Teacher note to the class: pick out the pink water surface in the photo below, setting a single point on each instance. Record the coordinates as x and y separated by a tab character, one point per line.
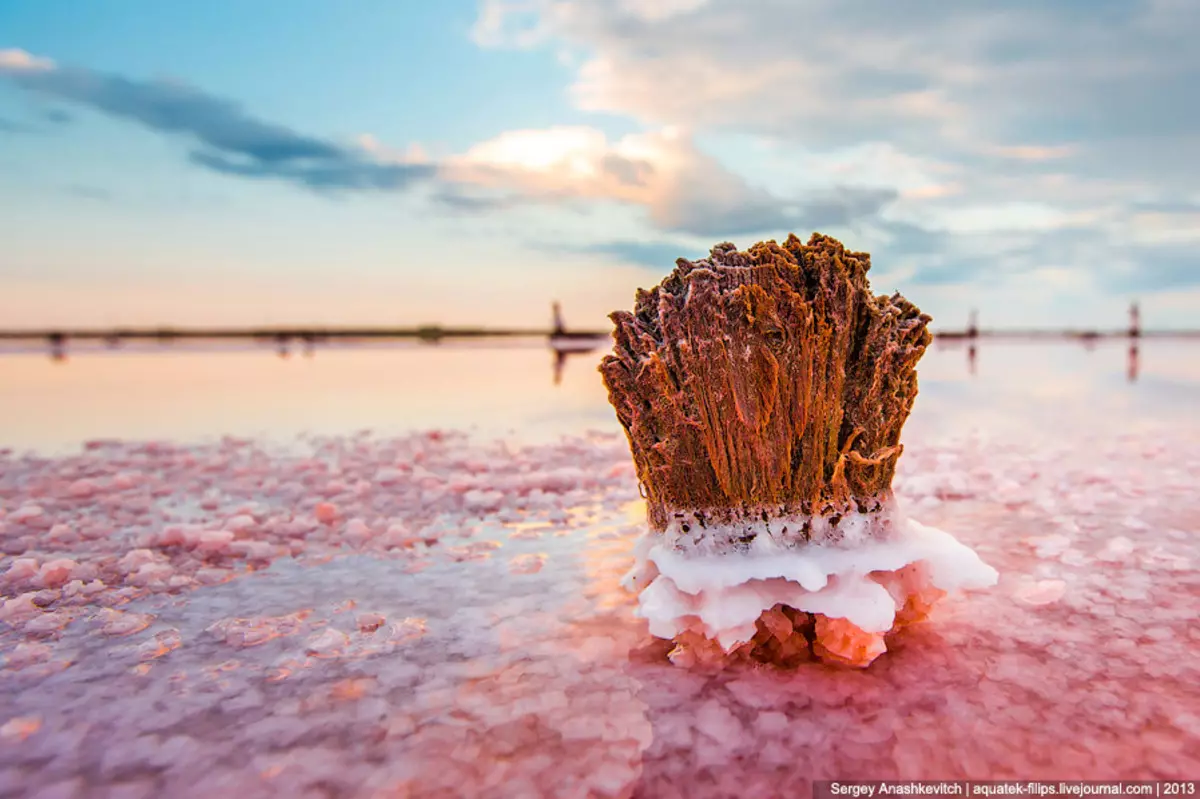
432	613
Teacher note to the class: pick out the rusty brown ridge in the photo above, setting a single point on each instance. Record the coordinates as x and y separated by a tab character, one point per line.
770	378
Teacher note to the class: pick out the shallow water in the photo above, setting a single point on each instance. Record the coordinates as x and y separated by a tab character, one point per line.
406	613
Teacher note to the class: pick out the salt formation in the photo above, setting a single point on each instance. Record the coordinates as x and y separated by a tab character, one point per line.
763	394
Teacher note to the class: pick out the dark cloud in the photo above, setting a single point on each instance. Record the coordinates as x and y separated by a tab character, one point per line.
628	171
58	117
322	174
469	201
660	255
230	140
54	117
844	206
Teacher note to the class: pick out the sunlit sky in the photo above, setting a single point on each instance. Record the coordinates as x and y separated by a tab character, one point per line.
392	162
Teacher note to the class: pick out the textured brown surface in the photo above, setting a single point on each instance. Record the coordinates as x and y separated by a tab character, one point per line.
767	379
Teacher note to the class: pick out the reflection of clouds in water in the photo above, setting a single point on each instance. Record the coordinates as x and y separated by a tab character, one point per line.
505	390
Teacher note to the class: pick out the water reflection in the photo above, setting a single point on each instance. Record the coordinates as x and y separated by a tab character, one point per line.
223	387
560	359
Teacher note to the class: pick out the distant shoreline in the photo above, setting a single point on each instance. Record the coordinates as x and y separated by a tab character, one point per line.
437	333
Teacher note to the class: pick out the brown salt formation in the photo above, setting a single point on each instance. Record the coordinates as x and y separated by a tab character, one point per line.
763	394
766	384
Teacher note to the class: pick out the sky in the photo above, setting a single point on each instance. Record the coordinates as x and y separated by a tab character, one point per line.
399	163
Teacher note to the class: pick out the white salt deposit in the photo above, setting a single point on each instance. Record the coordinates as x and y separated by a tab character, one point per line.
723	594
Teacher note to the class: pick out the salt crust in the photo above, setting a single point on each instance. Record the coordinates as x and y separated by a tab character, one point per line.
723	594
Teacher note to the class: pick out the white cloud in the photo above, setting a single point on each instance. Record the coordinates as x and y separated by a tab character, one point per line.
21	61
682	188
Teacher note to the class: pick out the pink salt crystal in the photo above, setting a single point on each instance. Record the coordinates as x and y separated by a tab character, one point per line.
527	564
19	608
259	550
82	488
328	643
151	573
240	523
94	587
370	622
21	569
1116	549
213	576
482	501
388	476
26	514
171	536
777	623
161	644
1042	592
27	654
125	480
398	535
56	573
135	559
357	529
214	541
406	630
840	641
61	531
20	728
326	512
119	622
47	622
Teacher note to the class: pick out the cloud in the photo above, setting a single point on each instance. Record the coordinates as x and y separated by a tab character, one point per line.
683	189
54	117
657	255
227	139
57	116
1022	75
1021	136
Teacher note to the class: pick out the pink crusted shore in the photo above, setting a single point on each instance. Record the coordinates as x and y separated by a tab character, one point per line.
433	616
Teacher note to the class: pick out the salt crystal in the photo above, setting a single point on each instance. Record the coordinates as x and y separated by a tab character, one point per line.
240	523
357	530
19	608
1042	592
527	564
82	488
213	576
328	643
214	541
21	569
370	622
47	622
135	559
326	512
26	514
118	622
20	728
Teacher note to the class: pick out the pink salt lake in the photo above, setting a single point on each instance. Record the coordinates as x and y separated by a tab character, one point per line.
231	592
